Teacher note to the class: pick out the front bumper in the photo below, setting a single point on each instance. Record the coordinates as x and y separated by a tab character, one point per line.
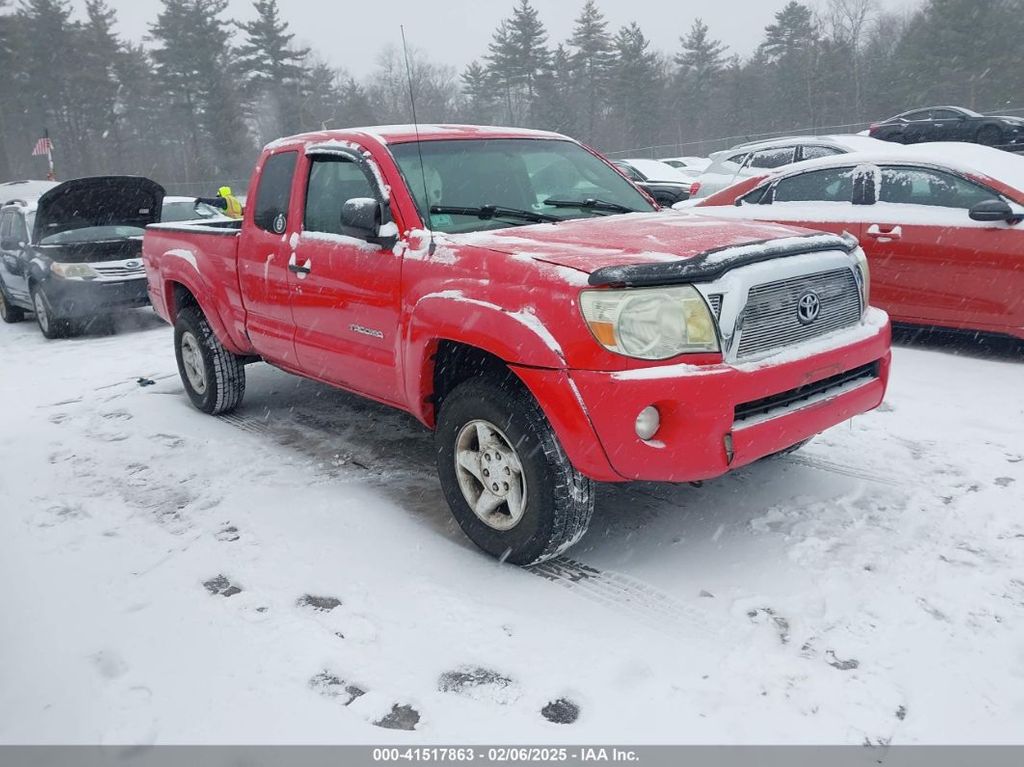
718	418
75	299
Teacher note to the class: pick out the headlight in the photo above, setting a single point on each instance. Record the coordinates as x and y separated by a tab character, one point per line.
863	276
650	323
74	271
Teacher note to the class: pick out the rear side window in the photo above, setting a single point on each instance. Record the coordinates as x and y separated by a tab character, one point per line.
271	211
925	186
773	158
814	152
333	180
831	185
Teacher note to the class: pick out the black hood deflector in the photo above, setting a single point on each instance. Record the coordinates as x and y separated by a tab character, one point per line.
712	264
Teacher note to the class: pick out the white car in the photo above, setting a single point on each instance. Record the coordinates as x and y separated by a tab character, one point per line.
664	183
181	209
689	166
752	159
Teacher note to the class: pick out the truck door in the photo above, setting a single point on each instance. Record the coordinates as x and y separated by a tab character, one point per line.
346	292
263	254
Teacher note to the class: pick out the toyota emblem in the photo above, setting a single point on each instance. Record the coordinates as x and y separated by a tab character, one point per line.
132	264
808	307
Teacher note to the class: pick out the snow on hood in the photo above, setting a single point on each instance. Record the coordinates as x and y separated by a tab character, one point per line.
98	201
588	244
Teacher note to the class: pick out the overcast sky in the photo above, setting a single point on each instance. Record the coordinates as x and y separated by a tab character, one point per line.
350	34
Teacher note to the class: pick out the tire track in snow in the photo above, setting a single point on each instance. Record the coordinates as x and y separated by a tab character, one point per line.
629	596
848	471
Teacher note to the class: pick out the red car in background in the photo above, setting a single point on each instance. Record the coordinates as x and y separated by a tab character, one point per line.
941	225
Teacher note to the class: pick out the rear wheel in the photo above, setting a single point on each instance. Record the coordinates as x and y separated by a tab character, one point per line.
990	135
49	323
214	378
508	482
8	312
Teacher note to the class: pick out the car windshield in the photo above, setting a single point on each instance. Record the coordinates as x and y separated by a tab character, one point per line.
510	174
93	234
187	210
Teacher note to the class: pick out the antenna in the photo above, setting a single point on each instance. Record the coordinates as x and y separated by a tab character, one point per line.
419	146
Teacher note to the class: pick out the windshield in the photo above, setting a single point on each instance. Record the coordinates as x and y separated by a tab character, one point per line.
93	234
187	210
519	174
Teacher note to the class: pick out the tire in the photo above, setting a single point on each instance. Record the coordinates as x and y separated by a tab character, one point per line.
555	502
50	325
213	377
989	135
10	313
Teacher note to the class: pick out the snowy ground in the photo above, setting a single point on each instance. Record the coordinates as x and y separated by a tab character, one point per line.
869	588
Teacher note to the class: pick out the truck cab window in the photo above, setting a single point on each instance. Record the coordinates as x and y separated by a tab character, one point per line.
332	181
275	191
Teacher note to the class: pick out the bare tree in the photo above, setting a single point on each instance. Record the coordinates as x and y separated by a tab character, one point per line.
848	21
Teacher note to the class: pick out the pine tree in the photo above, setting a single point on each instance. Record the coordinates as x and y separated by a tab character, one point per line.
592	59
791	48
636	87
49	72
528	39
553	109
479	95
700	62
193	60
97	85
272	69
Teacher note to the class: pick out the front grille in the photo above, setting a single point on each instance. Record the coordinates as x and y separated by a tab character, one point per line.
120	271
789	400
770	319
715	302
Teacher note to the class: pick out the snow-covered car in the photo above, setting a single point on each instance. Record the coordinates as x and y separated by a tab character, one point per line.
689	166
756	158
179	209
663	182
75	253
942	225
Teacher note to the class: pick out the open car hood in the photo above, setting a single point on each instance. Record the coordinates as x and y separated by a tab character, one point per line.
98	201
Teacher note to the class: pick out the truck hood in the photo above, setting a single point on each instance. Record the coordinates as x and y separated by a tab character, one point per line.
98	201
589	244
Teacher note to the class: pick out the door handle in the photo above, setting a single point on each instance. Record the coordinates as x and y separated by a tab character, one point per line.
886	234
300	270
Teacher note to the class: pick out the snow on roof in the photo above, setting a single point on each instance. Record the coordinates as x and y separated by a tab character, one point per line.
656	170
971	159
849	141
401	134
26	191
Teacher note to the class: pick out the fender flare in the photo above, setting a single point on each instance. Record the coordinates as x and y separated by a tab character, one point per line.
517	338
195	283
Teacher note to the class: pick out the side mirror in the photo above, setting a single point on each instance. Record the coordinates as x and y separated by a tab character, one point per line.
9	243
363	217
994	210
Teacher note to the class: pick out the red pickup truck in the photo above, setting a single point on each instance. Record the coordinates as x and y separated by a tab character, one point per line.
519	296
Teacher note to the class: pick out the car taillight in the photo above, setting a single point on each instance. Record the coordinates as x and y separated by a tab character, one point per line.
874	127
694	188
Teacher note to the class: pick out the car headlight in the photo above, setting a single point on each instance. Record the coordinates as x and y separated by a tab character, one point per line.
863	276
74	271
650	323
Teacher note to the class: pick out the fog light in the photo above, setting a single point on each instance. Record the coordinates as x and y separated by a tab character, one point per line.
648	422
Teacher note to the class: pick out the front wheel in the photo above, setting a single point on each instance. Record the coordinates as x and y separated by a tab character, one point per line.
990	135
214	378
49	323
8	312
508	482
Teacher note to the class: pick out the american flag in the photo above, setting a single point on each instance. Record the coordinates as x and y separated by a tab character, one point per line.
43	147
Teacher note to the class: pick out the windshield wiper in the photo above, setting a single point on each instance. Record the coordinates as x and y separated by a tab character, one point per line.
494	211
590	204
